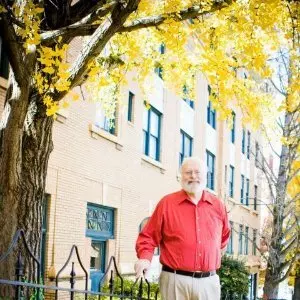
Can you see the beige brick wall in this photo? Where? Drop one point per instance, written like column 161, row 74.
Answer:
column 92, row 166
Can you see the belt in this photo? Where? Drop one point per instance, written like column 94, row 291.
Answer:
column 189, row 273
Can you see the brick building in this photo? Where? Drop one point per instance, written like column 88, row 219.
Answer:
column 103, row 182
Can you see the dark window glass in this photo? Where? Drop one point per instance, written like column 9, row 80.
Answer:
column 185, row 147
column 130, row 107
column 232, row 133
column 151, row 132
column 210, row 160
column 231, row 181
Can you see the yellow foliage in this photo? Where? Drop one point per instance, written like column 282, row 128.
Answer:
column 30, row 15
column 222, row 46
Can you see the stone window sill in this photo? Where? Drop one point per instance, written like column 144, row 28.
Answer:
column 97, row 133
column 154, row 163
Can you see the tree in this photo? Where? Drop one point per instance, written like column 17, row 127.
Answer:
column 36, row 35
column 284, row 185
column 284, row 238
column 116, row 36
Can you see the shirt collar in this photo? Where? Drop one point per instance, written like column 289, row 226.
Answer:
column 206, row 196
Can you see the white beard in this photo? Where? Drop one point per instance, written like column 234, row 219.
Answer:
column 193, row 188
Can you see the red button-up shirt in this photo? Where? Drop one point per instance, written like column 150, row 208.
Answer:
column 190, row 236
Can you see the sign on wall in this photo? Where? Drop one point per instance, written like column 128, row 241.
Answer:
column 100, row 221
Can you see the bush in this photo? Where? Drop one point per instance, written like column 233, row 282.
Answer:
column 234, row 278
column 127, row 285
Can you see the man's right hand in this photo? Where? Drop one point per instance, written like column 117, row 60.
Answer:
column 140, row 266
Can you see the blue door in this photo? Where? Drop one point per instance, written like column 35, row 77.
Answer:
column 97, row 263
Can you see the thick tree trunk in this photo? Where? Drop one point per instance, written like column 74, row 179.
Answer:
column 271, row 287
column 25, row 148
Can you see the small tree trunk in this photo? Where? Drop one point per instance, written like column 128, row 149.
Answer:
column 25, row 148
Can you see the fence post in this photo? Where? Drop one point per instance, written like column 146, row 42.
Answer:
column 111, row 284
column 19, row 273
column 140, row 293
column 72, row 280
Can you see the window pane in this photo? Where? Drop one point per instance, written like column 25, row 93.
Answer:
column 154, row 123
column 130, row 107
column 145, row 142
column 153, row 147
column 145, row 119
column 210, row 170
column 100, row 118
column 182, row 143
column 187, row 144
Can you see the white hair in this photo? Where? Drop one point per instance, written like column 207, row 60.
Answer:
column 198, row 161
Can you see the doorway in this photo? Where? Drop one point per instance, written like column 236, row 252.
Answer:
column 97, row 263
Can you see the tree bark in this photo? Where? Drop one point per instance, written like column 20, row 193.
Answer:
column 25, row 148
column 275, row 266
column 271, row 287
column 296, row 295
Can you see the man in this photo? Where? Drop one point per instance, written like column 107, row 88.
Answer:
column 192, row 230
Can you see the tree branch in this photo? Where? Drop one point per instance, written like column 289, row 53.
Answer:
column 288, row 246
column 84, row 8
column 287, row 273
column 97, row 42
column 189, row 13
column 14, row 50
column 81, row 28
column 277, row 89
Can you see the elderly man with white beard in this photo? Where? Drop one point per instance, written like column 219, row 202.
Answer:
column 191, row 229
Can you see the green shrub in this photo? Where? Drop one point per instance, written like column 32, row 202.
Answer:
column 127, row 285
column 234, row 278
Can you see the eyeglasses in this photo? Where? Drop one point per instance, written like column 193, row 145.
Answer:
column 190, row 173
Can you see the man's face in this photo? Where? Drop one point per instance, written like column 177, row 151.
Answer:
column 193, row 179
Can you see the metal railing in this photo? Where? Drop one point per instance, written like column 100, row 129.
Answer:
column 109, row 288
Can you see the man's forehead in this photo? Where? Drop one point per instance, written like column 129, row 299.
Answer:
column 191, row 165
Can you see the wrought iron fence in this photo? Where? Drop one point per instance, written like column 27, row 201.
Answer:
column 109, row 288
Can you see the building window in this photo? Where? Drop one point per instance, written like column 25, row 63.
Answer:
column 186, row 98
column 211, row 115
column 246, row 240
column 231, row 181
column 130, row 107
column 256, row 153
column 243, row 141
column 230, row 242
column 4, row 64
column 247, row 191
column 103, row 122
column 210, row 160
column 151, row 132
column 241, row 233
column 242, row 188
column 255, row 198
column 254, row 241
column 185, row 147
column 248, row 144
column 232, row 133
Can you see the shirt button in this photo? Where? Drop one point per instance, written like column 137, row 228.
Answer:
column 199, row 242
column 199, row 254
